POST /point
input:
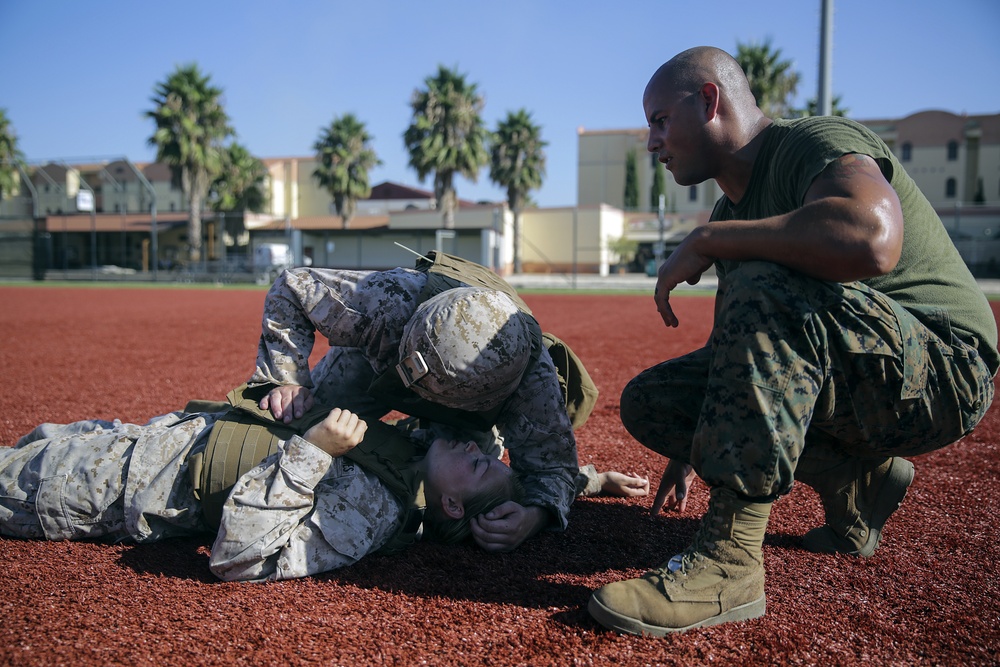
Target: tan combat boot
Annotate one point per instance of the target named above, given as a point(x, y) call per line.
point(719, 578)
point(859, 496)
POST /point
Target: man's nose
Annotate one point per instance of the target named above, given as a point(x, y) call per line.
point(653, 143)
point(472, 447)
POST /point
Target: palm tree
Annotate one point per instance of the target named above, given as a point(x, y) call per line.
point(772, 80)
point(659, 187)
point(631, 195)
point(517, 163)
point(812, 108)
point(345, 155)
point(240, 184)
point(11, 157)
point(446, 136)
point(191, 125)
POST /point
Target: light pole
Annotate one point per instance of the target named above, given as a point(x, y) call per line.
point(152, 212)
point(824, 99)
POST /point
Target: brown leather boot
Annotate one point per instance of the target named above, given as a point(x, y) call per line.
point(719, 578)
point(859, 496)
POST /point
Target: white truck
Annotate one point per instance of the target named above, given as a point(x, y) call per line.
point(270, 259)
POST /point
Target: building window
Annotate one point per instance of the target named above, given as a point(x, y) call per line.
point(907, 151)
point(693, 193)
point(950, 186)
point(952, 151)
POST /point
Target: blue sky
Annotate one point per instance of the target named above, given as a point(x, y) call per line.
point(77, 76)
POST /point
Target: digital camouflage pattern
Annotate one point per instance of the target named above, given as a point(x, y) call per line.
point(363, 315)
point(300, 512)
point(475, 344)
point(75, 481)
point(800, 371)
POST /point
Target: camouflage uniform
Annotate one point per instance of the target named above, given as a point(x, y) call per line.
point(298, 513)
point(363, 315)
point(799, 371)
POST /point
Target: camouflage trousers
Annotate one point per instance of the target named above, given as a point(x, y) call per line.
point(802, 374)
point(67, 481)
point(70, 481)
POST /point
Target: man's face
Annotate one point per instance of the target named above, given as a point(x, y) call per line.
point(460, 469)
point(676, 132)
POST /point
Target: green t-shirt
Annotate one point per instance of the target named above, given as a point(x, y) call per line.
point(930, 275)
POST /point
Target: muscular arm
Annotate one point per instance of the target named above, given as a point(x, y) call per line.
point(850, 227)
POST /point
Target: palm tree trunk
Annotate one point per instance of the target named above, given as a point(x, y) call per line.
point(194, 230)
point(199, 185)
point(447, 200)
point(448, 218)
point(517, 241)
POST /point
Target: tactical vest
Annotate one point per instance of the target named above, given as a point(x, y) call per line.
point(446, 272)
point(245, 435)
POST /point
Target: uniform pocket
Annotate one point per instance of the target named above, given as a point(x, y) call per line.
point(71, 508)
point(50, 510)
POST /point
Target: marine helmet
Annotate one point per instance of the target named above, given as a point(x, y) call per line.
point(465, 348)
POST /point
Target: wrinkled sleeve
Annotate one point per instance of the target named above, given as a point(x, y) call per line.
point(540, 442)
point(587, 481)
point(357, 309)
point(300, 513)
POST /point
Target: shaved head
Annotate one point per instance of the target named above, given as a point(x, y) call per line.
point(689, 70)
point(703, 119)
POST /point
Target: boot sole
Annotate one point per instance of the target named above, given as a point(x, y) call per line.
point(890, 497)
point(624, 624)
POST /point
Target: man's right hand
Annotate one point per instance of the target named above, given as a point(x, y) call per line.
point(339, 433)
point(674, 485)
point(507, 525)
point(287, 402)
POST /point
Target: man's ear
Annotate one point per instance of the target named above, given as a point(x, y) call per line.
point(710, 100)
point(452, 506)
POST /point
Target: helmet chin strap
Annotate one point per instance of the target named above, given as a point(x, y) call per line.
point(411, 368)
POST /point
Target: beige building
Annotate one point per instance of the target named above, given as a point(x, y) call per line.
point(556, 240)
point(118, 186)
point(955, 160)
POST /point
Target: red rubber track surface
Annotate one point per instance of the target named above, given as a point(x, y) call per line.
point(930, 595)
